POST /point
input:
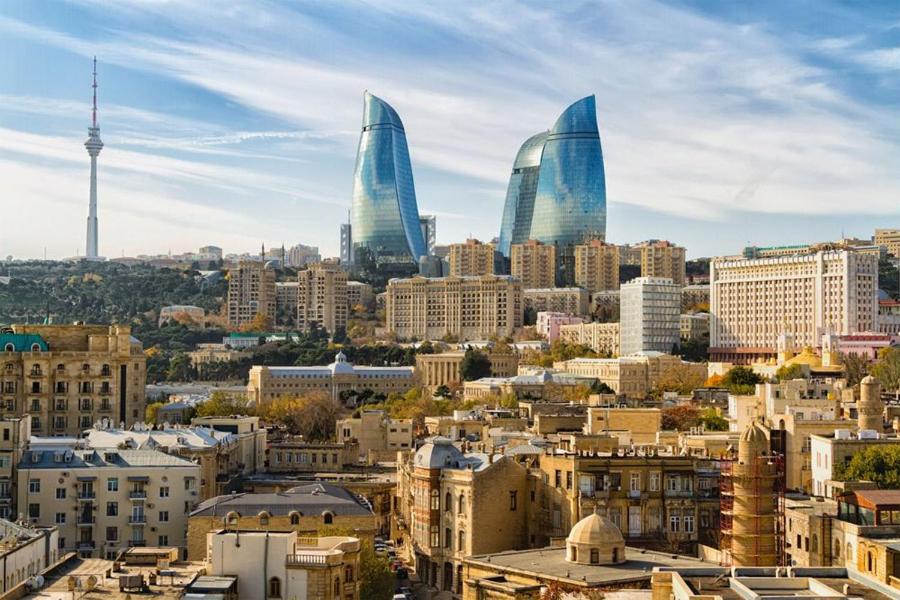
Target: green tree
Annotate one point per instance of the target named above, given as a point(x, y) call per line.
point(680, 417)
point(787, 373)
point(475, 365)
point(713, 421)
point(442, 391)
point(599, 387)
point(741, 380)
point(887, 368)
point(880, 464)
point(856, 366)
point(180, 368)
point(375, 575)
point(224, 404)
point(312, 415)
point(152, 411)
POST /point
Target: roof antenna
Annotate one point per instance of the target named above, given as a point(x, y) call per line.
point(94, 109)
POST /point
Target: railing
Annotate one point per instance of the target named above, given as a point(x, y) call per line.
point(137, 520)
point(679, 493)
point(634, 493)
point(87, 495)
point(305, 559)
point(137, 495)
point(85, 520)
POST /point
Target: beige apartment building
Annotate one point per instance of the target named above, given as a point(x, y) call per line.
point(359, 294)
point(571, 301)
point(66, 377)
point(633, 376)
point(286, 294)
point(602, 338)
point(106, 500)
point(251, 438)
point(472, 259)
point(661, 258)
point(251, 292)
point(597, 266)
point(890, 240)
point(322, 297)
point(377, 435)
point(14, 435)
point(435, 370)
point(468, 308)
point(534, 264)
point(297, 455)
point(754, 301)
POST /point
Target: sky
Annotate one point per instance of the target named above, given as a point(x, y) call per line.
point(236, 123)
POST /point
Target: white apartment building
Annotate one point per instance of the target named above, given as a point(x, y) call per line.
point(103, 501)
point(753, 301)
point(827, 451)
point(650, 315)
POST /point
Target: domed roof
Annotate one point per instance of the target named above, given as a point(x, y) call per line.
point(595, 530)
point(868, 380)
point(807, 357)
point(340, 364)
point(754, 434)
point(438, 454)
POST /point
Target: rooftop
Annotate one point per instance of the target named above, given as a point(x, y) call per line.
point(308, 499)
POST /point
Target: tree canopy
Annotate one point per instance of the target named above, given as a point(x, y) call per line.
point(741, 380)
point(887, 368)
point(311, 415)
point(475, 365)
point(880, 464)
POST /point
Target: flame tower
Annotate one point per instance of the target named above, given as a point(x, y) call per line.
point(94, 145)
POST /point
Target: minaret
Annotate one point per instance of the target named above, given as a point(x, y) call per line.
point(870, 409)
point(94, 146)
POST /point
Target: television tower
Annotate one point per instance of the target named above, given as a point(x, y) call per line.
point(94, 146)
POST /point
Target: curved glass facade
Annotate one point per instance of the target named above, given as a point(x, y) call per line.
point(384, 216)
point(516, 225)
point(570, 202)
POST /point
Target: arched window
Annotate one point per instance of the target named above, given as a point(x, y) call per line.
point(448, 502)
point(435, 500)
point(595, 556)
point(9, 366)
point(231, 519)
point(348, 574)
point(295, 517)
point(60, 367)
point(274, 588)
point(9, 348)
point(461, 541)
point(263, 518)
point(35, 347)
point(328, 517)
point(461, 505)
point(36, 370)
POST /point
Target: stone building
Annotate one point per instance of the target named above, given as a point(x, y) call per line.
point(451, 505)
point(435, 370)
point(286, 295)
point(534, 386)
point(105, 500)
point(14, 435)
point(890, 240)
point(376, 436)
point(66, 377)
point(661, 258)
point(266, 384)
point(251, 292)
point(25, 551)
point(468, 308)
point(634, 376)
point(296, 455)
point(571, 301)
point(280, 564)
point(251, 438)
point(304, 509)
point(322, 297)
point(359, 294)
point(602, 338)
point(472, 259)
point(534, 264)
point(597, 266)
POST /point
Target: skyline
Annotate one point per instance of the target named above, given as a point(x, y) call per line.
point(736, 117)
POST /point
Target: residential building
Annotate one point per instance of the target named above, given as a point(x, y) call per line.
point(650, 315)
point(568, 300)
point(542, 385)
point(384, 216)
point(548, 324)
point(695, 297)
point(251, 438)
point(251, 292)
point(66, 377)
point(663, 259)
point(463, 307)
point(890, 240)
point(471, 259)
point(26, 552)
point(105, 500)
point(602, 338)
point(304, 509)
point(830, 451)
point(376, 435)
point(182, 313)
point(633, 376)
point(805, 294)
point(14, 435)
point(534, 264)
point(336, 380)
point(287, 294)
point(359, 294)
point(322, 298)
point(435, 370)
point(285, 565)
point(597, 266)
point(296, 455)
point(642, 424)
point(451, 505)
point(889, 317)
point(299, 256)
point(694, 327)
point(206, 354)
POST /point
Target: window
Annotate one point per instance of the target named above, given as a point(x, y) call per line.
point(337, 587)
point(274, 588)
point(112, 484)
point(461, 505)
point(348, 574)
point(295, 518)
point(328, 518)
point(60, 493)
point(60, 518)
point(35, 387)
point(85, 422)
point(435, 500)
point(595, 556)
point(513, 500)
point(568, 480)
point(674, 523)
point(635, 483)
point(34, 486)
point(461, 541)
point(448, 502)
point(34, 511)
point(164, 491)
point(112, 534)
point(558, 479)
point(163, 540)
point(654, 481)
point(435, 537)
point(448, 538)
point(689, 523)
point(163, 516)
point(112, 509)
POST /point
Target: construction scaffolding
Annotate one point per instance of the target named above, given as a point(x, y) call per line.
point(752, 526)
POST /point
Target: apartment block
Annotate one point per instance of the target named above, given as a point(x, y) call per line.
point(534, 264)
point(649, 315)
point(890, 240)
point(597, 266)
point(602, 338)
point(66, 377)
point(251, 292)
point(322, 297)
point(568, 300)
point(472, 259)
point(469, 308)
point(286, 296)
point(375, 434)
point(660, 258)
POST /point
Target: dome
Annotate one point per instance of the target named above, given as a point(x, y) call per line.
point(438, 454)
point(595, 540)
point(868, 380)
point(753, 443)
point(340, 364)
point(808, 357)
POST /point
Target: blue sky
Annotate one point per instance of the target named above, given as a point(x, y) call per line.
point(236, 123)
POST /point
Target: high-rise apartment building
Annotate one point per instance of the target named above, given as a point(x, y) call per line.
point(890, 239)
point(660, 258)
point(301, 255)
point(322, 297)
point(251, 292)
point(471, 259)
point(534, 264)
point(516, 225)
point(754, 301)
point(650, 315)
point(469, 308)
point(597, 266)
point(286, 294)
point(384, 216)
point(66, 377)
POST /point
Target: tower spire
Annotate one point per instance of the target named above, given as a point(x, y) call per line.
point(94, 109)
point(93, 145)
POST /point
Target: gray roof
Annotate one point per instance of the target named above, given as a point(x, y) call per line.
point(60, 458)
point(310, 499)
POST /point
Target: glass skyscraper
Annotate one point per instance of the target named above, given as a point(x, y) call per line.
point(563, 200)
point(384, 217)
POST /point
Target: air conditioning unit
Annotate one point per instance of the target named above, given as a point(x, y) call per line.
point(150, 505)
point(153, 529)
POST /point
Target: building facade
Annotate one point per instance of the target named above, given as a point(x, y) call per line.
point(890, 240)
point(322, 298)
point(568, 300)
point(650, 315)
point(464, 307)
point(251, 292)
point(534, 264)
point(376, 435)
point(602, 338)
point(66, 377)
point(435, 370)
point(515, 226)
point(597, 266)
point(471, 259)
point(661, 258)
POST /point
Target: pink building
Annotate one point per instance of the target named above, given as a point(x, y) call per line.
point(865, 344)
point(548, 323)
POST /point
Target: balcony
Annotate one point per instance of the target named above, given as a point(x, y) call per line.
point(138, 520)
point(137, 495)
point(87, 496)
point(137, 543)
point(85, 520)
point(85, 546)
point(679, 493)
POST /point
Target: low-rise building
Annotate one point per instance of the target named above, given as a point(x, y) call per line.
point(182, 313)
point(435, 370)
point(296, 455)
point(25, 551)
point(830, 451)
point(568, 300)
point(633, 376)
point(538, 386)
point(266, 384)
point(549, 323)
point(213, 353)
point(378, 437)
point(694, 327)
point(602, 338)
point(251, 438)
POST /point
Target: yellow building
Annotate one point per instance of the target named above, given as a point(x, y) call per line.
point(251, 292)
point(597, 266)
point(322, 297)
point(67, 377)
point(633, 376)
point(570, 301)
point(464, 307)
point(602, 338)
point(534, 264)
point(435, 370)
point(472, 259)
point(660, 258)
point(377, 436)
point(890, 239)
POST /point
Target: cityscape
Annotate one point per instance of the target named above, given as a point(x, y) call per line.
point(436, 386)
